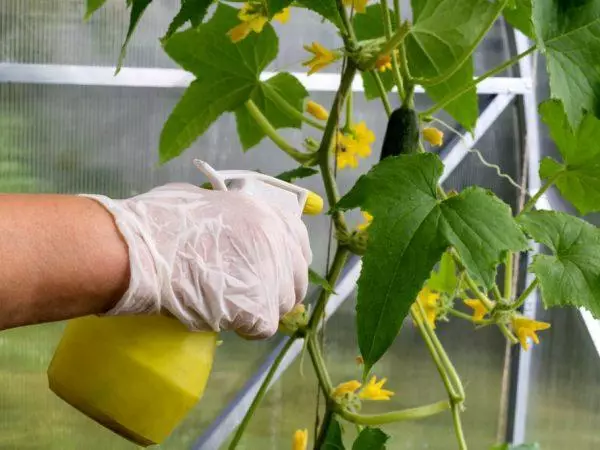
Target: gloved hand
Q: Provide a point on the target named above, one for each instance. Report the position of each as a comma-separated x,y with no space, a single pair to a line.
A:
215,260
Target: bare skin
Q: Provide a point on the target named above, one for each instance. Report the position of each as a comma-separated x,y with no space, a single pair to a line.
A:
61,257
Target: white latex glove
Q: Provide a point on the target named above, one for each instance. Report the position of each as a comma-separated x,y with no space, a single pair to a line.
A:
215,260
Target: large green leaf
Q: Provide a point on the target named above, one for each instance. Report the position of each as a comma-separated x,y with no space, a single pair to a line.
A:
568,33
370,439
578,178
227,73
137,10
283,86
370,26
92,6
519,17
325,8
411,229
193,11
275,6
570,276
333,440
439,48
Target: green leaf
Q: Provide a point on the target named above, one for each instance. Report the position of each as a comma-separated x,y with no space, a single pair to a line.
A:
578,178
444,279
325,8
444,35
92,6
370,439
193,11
571,275
440,45
333,440
464,109
137,10
284,86
370,26
227,75
520,17
410,231
568,33
297,173
315,278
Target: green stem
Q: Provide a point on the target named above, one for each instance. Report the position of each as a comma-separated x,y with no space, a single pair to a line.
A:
471,283
420,412
327,418
458,430
339,259
350,37
327,141
434,355
533,200
319,364
526,293
260,394
398,11
508,275
290,110
270,131
497,293
447,364
464,316
393,40
349,111
382,93
507,333
457,93
409,94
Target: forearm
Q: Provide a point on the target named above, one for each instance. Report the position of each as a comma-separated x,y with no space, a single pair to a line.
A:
61,257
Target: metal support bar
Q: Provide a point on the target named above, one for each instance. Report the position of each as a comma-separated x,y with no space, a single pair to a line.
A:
176,78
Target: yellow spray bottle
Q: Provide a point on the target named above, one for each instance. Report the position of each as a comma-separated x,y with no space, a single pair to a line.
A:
140,375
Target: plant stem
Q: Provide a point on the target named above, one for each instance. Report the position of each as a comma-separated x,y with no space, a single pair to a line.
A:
398,11
471,283
327,141
456,94
460,436
526,293
319,364
270,131
260,394
382,93
507,333
469,318
324,426
447,364
435,356
420,412
349,111
290,110
508,276
497,293
533,200
393,40
350,36
339,259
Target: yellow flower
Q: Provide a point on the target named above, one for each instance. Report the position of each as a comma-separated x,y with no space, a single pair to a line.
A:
434,136
368,219
344,152
363,138
479,309
383,63
316,110
322,57
374,390
428,300
360,6
253,17
526,328
349,387
300,440
282,16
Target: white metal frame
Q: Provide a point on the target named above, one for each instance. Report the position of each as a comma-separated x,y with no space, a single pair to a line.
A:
505,90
